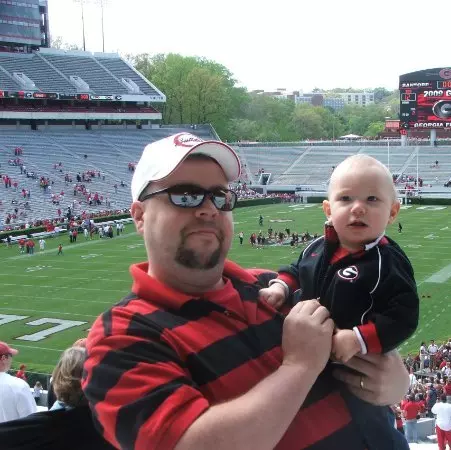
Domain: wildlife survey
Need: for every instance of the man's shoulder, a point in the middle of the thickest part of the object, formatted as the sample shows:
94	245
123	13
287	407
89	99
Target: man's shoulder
13	381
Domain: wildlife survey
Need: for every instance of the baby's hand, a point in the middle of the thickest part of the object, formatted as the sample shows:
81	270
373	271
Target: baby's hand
345	345
274	295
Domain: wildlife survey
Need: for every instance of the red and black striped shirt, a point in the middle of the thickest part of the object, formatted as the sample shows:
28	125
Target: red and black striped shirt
158	359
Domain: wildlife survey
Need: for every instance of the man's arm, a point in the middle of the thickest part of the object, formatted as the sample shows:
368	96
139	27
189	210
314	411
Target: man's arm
259	418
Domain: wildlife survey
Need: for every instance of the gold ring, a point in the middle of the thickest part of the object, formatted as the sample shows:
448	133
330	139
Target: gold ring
361	382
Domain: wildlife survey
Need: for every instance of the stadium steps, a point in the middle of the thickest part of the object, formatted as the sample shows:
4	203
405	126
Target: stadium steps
406	164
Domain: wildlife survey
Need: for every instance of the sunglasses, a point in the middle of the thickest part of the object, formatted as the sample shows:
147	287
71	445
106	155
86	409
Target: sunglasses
193	196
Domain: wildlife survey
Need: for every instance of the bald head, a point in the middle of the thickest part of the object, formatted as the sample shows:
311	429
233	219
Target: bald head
362	164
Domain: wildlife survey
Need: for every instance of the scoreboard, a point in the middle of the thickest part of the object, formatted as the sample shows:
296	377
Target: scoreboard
425	99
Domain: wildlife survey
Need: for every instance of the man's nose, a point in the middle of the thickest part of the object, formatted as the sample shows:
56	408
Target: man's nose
206	209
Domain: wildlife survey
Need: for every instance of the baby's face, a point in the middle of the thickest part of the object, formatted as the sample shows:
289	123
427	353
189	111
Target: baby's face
361	204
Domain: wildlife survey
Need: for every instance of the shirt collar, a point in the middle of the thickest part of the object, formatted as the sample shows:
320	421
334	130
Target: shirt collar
152	290
332	236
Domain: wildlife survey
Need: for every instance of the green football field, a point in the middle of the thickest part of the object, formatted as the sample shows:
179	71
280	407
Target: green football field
48	301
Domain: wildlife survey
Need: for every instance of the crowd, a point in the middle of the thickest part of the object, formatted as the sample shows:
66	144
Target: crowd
429	392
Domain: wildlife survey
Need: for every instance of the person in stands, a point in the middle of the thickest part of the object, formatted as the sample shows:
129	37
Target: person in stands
21	372
191	359
69	425
15	396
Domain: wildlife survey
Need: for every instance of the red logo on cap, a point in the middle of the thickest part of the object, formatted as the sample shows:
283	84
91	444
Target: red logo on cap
186	140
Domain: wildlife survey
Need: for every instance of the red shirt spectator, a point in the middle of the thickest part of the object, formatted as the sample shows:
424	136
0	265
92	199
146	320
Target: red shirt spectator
21	372
411	410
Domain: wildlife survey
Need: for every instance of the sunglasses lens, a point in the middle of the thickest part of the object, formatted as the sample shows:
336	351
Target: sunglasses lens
187	199
224	201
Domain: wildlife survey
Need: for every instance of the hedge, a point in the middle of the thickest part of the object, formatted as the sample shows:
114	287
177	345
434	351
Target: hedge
316	199
428	201
258	202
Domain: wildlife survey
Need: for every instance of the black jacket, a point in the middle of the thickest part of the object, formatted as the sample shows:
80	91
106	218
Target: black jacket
373	291
53	430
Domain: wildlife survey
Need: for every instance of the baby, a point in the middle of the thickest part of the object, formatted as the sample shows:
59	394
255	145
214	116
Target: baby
362	277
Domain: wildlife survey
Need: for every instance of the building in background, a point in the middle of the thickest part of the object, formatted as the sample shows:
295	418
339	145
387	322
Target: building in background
313	98
321	99
357	98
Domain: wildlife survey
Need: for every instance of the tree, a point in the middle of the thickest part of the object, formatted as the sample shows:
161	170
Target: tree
307	122
59	43
374	129
380	93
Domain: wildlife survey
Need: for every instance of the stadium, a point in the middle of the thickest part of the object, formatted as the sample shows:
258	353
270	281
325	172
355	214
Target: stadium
73	125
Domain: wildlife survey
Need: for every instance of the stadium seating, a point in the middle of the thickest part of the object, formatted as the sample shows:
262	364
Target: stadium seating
108	152
51	70
312	165
45	77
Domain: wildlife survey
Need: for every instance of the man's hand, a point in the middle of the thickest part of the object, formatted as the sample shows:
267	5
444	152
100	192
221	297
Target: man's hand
384	378
345	345
307	336
274	295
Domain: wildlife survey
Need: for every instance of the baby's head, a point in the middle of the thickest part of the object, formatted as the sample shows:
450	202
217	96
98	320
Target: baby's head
362	200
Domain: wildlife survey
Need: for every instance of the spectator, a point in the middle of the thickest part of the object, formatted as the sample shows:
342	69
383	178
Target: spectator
21	372
37	391
68	426
192	378
16	400
442	411
411	414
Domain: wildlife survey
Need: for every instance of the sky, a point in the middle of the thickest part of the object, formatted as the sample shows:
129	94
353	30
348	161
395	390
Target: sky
297	44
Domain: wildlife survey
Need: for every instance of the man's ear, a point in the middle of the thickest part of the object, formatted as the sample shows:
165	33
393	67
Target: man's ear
137	213
394	211
326	208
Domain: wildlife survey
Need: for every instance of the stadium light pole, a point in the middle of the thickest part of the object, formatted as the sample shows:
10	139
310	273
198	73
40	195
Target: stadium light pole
103	30
82	22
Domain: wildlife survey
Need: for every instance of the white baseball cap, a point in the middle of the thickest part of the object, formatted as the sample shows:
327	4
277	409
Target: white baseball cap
160	158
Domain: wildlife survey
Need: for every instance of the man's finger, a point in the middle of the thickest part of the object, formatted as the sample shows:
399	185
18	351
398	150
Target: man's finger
361	363
353	380
321	314
309	306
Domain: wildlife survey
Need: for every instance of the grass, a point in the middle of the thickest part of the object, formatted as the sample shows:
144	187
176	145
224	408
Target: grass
76	287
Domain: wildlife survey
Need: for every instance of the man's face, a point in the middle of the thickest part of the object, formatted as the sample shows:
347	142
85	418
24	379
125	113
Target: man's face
186	242
6	361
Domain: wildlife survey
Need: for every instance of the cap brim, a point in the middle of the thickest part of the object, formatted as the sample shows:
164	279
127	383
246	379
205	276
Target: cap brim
13	351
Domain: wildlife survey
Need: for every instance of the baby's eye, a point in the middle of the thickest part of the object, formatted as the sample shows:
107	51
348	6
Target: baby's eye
372	198
345	198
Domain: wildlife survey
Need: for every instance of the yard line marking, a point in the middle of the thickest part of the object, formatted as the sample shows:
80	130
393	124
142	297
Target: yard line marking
61	287
47	312
73	246
441	276
66	299
40	348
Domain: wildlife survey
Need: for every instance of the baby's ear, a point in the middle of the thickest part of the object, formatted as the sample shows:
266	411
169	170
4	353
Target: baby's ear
326	208
394	211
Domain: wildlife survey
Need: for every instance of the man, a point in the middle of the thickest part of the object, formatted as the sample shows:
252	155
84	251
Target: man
432	350
16	400
191	359
442	412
